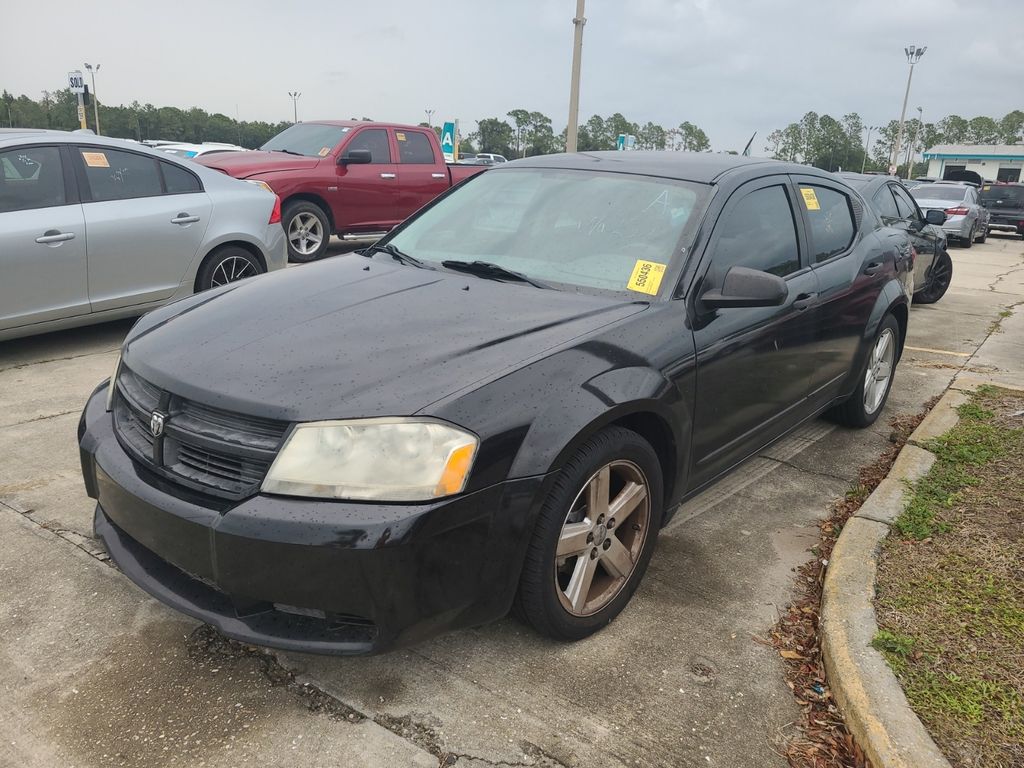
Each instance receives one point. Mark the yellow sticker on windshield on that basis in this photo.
(95, 159)
(646, 277)
(810, 199)
(324, 151)
(399, 135)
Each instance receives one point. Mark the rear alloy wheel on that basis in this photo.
(307, 230)
(594, 537)
(227, 265)
(875, 381)
(938, 281)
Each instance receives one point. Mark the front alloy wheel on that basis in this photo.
(594, 536)
(307, 231)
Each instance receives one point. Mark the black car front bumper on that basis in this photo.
(306, 574)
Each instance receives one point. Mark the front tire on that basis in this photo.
(938, 281)
(226, 265)
(861, 409)
(307, 231)
(594, 537)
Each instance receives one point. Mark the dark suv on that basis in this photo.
(1006, 204)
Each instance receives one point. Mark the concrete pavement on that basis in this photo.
(676, 680)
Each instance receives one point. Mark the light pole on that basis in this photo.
(914, 55)
(574, 85)
(295, 105)
(95, 101)
(912, 147)
(867, 142)
(429, 113)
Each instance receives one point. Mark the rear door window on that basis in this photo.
(414, 147)
(830, 217)
(376, 141)
(116, 175)
(31, 177)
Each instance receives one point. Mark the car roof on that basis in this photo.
(357, 123)
(702, 167)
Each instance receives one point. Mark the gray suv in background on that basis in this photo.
(966, 217)
(95, 229)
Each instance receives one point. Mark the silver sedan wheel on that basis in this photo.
(879, 370)
(305, 233)
(231, 269)
(602, 538)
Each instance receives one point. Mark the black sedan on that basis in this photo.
(498, 405)
(933, 268)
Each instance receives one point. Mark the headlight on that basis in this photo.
(263, 184)
(113, 383)
(389, 459)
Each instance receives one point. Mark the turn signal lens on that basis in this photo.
(275, 215)
(456, 470)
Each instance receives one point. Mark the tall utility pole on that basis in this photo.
(912, 146)
(95, 100)
(295, 105)
(429, 113)
(867, 142)
(914, 55)
(574, 86)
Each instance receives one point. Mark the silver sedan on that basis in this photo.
(95, 229)
(966, 217)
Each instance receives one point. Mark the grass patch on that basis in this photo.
(950, 598)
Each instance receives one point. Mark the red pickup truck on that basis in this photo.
(344, 177)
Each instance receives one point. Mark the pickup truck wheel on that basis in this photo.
(307, 229)
(861, 409)
(938, 280)
(226, 265)
(594, 537)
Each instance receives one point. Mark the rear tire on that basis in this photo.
(967, 243)
(583, 564)
(227, 265)
(984, 235)
(862, 408)
(307, 231)
(938, 281)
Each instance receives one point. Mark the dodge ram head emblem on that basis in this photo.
(156, 423)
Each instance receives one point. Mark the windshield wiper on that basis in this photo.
(492, 270)
(288, 152)
(399, 255)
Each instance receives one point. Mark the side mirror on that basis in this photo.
(935, 216)
(356, 157)
(745, 287)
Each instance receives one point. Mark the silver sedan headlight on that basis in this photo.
(385, 459)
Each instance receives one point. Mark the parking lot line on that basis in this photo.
(938, 351)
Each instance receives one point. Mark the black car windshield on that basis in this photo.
(577, 230)
(310, 139)
(939, 192)
(1003, 195)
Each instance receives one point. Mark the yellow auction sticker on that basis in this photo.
(324, 151)
(810, 199)
(399, 135)
(95, 159)
(646, 277)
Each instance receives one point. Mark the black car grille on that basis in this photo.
(204, 448)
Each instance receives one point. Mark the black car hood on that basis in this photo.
(354, 337)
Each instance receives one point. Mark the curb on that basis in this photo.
(865, 688)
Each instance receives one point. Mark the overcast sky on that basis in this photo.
(730, 66)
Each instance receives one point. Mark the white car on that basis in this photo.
(95, 229)
(492, 157)
(195, 150)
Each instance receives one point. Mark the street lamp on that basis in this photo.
(912, 147)
(95, 101)
(429, 113)
(914, 55)
(295, 105)
(867, 141)
(574, 85)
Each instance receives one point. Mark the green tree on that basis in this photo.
(493, 135)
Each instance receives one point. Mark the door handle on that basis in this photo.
(873, 267)
(387, 175)
(437, 175)
(184, 218)
(54, 237)
(803, 301)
